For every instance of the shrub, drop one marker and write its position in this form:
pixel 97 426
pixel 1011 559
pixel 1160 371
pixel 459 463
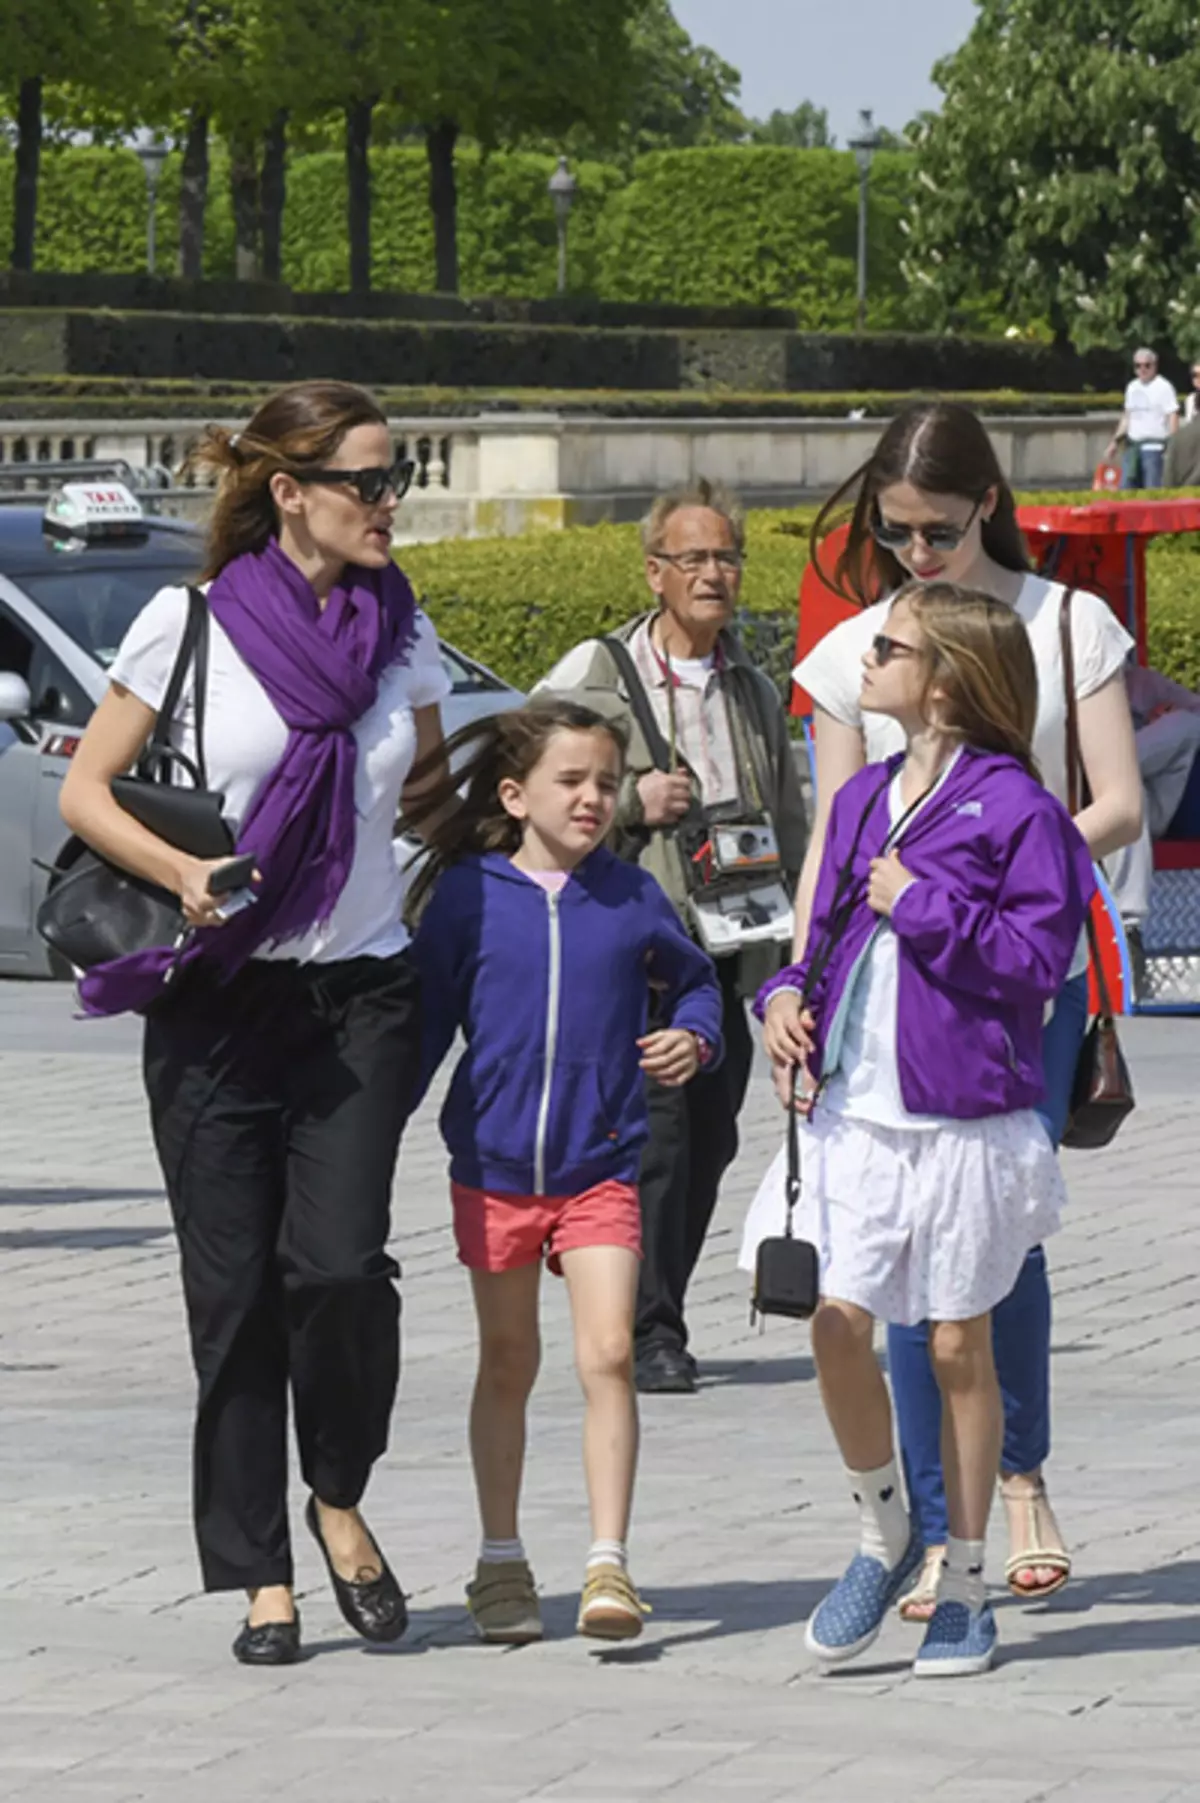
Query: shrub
pixel 757 225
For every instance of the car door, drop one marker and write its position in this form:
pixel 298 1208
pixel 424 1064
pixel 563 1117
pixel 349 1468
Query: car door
pixel 33 761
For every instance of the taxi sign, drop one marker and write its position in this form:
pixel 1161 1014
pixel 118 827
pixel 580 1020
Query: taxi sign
pixel 102 509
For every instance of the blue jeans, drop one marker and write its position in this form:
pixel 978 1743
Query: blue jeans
pixel 1020 1325
pixel 1143 465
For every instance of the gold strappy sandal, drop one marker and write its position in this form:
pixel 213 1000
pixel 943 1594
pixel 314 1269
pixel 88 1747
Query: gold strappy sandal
pixel 918 1603
pixel 1031 1520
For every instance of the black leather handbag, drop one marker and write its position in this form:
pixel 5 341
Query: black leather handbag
pixel 787 1275
pixel 93 911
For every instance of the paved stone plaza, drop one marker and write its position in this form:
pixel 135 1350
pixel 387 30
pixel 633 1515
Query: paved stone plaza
pixel 115 1676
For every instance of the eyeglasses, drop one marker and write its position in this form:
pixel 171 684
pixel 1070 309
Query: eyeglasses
pixel 885 649
pixel 936 537
pixel 369 485
pixel 1144 363
pixel 692 562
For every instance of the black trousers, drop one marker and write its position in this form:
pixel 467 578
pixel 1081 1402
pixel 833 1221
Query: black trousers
pixel 277 1103
pixel 693 1141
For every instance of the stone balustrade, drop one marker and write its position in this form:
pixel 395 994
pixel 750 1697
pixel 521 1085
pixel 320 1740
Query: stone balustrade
pixel 504 473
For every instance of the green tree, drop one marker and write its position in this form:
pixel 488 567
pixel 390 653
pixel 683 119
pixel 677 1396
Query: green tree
pixel 680 95
pixel 103 47
pixel 536 69
pixel 1061 177
pixel 806 127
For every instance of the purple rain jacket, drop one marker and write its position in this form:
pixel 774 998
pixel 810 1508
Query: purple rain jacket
pixel 986 933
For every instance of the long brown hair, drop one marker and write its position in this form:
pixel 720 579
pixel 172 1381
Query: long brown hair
pixel 979 656
pixel 503 746
pixel 299 427
pixel 941 447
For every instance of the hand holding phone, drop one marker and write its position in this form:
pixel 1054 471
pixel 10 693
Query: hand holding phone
pixel 236 874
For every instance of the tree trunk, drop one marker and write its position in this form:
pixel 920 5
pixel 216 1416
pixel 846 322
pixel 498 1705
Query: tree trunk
pixel 272 194
pixel 25 182
pixel 243 189
pixel 440 140
pixel 358 192
pixel 193 195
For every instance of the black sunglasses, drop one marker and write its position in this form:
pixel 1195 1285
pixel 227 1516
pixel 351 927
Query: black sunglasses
pixel 885 649
pixel 937 537
pixel 369 485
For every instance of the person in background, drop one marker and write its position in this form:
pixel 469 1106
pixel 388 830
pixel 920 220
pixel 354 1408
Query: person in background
pixel 537 944
pixel 1149 420
pixel 1181 466
pixel 678 680
pixel 1166 719
pixel 1191 403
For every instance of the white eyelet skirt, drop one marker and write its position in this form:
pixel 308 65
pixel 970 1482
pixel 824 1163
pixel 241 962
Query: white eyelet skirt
pixel 916 1225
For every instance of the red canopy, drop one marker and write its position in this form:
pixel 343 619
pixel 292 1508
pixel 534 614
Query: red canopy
pixel 1137 516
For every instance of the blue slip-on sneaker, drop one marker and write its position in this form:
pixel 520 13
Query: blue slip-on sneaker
pixel 958 1643
pixel 845 1622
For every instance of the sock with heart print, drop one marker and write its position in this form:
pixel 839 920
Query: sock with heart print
pixel 883 1513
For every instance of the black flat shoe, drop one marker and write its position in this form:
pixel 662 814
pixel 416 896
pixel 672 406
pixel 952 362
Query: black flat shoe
pixel 663 1371
pixel 271 1643
pixel 376 1609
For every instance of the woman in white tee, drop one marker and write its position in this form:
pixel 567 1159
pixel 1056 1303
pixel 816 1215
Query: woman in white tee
pixel 932 503
pixel 282 1058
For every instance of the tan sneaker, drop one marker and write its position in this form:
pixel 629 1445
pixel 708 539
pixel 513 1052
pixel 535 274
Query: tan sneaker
pixel 503 1603
pixel 610 1608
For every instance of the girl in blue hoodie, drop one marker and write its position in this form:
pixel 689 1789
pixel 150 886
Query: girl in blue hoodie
pixel 540 947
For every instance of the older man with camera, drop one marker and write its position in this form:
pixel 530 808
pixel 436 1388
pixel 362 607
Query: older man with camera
pixel 711 805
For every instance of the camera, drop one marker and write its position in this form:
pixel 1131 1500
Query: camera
pixel 744 846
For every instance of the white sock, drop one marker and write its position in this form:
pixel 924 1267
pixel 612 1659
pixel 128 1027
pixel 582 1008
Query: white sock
pixel 961 1579
pixel 607 1552
pixel 883 1513
pixel 500 1552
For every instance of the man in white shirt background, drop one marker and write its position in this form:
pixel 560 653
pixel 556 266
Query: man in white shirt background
pixel 1150 417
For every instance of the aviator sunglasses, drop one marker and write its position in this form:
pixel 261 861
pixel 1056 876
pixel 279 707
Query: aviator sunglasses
pixel 369 485
pixel 937 537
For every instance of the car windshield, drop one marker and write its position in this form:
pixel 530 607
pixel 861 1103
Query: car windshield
pixel 97 605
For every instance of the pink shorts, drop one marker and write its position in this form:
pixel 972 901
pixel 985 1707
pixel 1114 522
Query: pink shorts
pixel 499 1233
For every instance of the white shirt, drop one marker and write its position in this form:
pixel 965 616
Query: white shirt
pixel 1148 407
pixel 866 1080
pixel 832 671
pixel 245 738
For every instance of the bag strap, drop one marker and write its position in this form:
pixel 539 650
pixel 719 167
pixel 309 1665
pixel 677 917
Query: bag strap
pixel 793 1156
pixel 639 701
pixel 1077 784
pixel 193 650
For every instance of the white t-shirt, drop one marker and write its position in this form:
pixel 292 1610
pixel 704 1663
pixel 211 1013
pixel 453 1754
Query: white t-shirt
pixel 866 1083
pixel 832 671
pixel 245 738
pixel 1149 406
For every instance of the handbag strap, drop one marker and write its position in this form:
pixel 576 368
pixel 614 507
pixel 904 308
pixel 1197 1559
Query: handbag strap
pixel 793 1156
pixel 193 651
pixel 1077 785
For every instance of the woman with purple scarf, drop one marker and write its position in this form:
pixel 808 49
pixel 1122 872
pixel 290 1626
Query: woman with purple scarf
pixel 280 1062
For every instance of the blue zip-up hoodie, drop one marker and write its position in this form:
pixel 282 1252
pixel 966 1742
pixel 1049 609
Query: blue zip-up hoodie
pixel 551 994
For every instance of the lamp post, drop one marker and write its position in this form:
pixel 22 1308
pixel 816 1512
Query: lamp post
pixel 864 148
pixel 152 153
pixel 562 187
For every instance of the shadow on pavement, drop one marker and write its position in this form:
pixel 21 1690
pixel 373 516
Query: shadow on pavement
pixel 33 1197
pixel 719 1373
pixel 80 1239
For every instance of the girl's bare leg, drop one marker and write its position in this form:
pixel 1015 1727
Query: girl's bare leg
pixel 506 1304
pixel 602 1282
pixel 852 1387
pixel 972 1420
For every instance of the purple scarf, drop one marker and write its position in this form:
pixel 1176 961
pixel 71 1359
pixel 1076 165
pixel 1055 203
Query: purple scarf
pixel 320 669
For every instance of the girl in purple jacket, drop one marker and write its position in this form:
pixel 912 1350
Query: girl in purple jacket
pixel 950 901
pixel 540 947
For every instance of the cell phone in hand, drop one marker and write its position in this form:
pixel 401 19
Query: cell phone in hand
pixel 236 874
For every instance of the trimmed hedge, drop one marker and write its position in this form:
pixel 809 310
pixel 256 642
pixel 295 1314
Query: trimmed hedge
pixel 134 397
pixel 518 604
